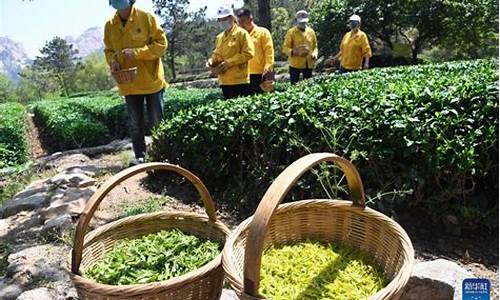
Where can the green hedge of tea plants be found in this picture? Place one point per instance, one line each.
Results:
(179, 99)
(430, 130)
(91, 119)
(14, 148)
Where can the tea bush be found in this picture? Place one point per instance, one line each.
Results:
(14, 147)
(431, 130)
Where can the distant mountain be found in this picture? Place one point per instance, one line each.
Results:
(89, 42)
(13, 58)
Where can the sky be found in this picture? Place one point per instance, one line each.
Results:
(32, 23)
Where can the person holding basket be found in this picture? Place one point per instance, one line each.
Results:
(234, 48)
(134, 44)
(301, 47)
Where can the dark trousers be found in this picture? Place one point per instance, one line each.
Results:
(295, 74)
(344, 70)
(235, 91)
(255, 81)
(135, 107)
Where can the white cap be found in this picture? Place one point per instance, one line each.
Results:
(224, 11)
(302, 16)
(355, 18)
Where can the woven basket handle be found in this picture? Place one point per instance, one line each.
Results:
(273, 197)
(104, 190)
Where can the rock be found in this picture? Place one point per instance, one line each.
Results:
(41, 185)
(4, 227)
(9, 291)
(89, 170)
(72, 180)
(36, 294)
(228, 295)
(45, 263)
(58, 225)
(71, 201)
(438, 280)
(12, 226)
(61, 161)
(17, 205)
(34, 188)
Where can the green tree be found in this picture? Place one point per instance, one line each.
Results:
(94, 74)
(175, 15)
(7, 89)
(36, 83)
(281, 23)
(422, 24)
(59, 57)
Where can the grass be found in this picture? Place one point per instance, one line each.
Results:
(14, 182)
(126, 158)
(151, 204)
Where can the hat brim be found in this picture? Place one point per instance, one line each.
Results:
(222, 16)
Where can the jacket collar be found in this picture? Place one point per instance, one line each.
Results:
(131, 18)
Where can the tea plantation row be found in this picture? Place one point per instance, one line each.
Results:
(95, 119)
(430, 131)
(14, 148)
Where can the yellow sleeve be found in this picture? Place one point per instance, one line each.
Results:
(367, 50)
(247, 50)
(158, 45)
(268, 50)
(288, 44)
(315, 44)
(109, 52)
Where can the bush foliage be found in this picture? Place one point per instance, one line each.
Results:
(431, 130)
(14, 148)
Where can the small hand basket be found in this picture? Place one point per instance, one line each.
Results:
(125, 75)
(302, 50)
(268, 80)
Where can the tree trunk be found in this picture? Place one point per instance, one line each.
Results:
(265, 13)
(414, 55)
(172, 58)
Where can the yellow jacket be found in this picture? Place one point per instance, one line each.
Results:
(264, 51)
(353, 49)
(296, 38)
(236, 47)
(143, 34)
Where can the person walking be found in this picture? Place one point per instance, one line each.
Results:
(301, 47)
(355, 51)
(233, 50)
(133, 38)
(261, 65)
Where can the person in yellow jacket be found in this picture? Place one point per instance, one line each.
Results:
(133, 38)
(229, 61)
(301, 47)
(354, 48)
(261, 65)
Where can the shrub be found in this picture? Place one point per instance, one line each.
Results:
(431, 130)
(68, 125)
(14, 148)
(178, 99)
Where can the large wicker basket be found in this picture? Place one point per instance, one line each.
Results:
(350, 223)
(204, 283)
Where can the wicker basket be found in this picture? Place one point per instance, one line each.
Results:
(350, 223)
(204, 283)
(125, 75)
